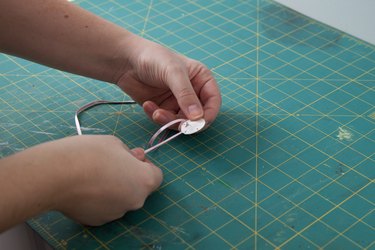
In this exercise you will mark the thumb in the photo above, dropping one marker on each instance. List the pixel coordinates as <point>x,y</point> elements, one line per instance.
<point>187,99</point>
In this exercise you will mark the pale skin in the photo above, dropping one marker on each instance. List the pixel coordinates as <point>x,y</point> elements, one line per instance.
<point>94,179</point>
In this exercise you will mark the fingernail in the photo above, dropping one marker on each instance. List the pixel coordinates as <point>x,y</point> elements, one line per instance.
<point>138,153</point>
<point>157,116</point>
<point>194,111</point>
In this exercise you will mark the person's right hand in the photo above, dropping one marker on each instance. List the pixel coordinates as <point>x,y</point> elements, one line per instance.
<point>169,86</point>
<point>92,179</point>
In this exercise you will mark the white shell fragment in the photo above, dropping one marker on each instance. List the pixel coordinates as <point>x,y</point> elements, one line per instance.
<point>190,127</point>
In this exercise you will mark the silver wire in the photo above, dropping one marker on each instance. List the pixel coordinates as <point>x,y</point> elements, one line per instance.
<point>92,104</point>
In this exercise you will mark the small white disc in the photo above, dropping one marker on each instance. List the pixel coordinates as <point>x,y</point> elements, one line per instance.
<point>190,127</point>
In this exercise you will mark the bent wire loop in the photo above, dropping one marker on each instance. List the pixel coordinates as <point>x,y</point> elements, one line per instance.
<point>150,145</point>
<point>92,104</point>
<point>160,130</point>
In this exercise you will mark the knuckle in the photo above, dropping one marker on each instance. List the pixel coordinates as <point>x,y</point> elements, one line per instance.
<point>174,66</point>
<point>186,92</point>
<point>137,204</point>
<point>147,183</point>
<point>152,181</point>
<point>120,215</point>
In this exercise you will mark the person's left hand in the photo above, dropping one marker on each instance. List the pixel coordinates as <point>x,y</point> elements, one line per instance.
<point>168,85</point>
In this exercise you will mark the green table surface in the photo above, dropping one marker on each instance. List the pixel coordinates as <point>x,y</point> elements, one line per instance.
<point>289,163</point>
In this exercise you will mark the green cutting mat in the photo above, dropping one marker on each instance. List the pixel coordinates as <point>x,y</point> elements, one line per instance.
<point>289,162</point>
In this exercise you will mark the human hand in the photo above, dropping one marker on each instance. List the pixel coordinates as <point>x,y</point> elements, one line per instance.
<point>105,178</point>
<point>168,85</point>
<point>92,179</point>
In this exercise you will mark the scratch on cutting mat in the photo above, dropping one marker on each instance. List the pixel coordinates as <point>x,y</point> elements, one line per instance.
<point>6,146</point>
<point>174,229</point>
<point>8,125</point>
<point>12,125</point>
<point>79,102</point>
<point>99,130</point>
<point>152,238</point>
<point>339,170</point>
<point>152,246</point>
<point>43,133</point>
<point>372,116</point>
<point>344,134</point>
<point>280,236</point>
<point>211,208</point>
<point>144,234</point>
<point>291,218</point>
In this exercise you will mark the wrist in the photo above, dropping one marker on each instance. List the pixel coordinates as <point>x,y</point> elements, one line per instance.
<point>124,56</point>
<point>29,186</point>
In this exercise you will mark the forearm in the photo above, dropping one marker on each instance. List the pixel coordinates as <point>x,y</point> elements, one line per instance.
<point>28,186</point>
<point>64,36</point>
<point>92,179</point>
